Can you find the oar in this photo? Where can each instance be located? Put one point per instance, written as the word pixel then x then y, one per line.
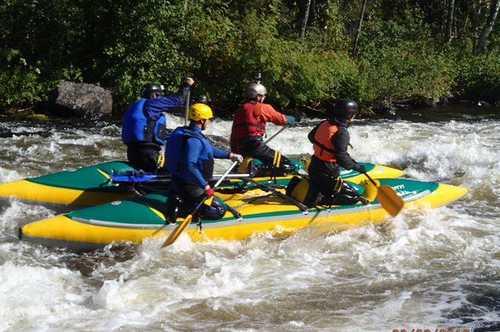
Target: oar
pixel 388 198
pixel 187 93
pixel 180 228
pixel 152 177
pixel 274 135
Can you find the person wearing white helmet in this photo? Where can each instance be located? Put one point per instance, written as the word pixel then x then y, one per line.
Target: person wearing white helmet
pixel 249 126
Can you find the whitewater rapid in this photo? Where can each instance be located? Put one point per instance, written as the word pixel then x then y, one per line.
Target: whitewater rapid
pixel 423 269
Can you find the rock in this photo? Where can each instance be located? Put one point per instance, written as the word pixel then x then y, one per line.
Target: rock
pixel 482 103
pixel 83 100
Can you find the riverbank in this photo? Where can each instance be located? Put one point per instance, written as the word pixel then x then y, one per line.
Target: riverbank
pixel 448 111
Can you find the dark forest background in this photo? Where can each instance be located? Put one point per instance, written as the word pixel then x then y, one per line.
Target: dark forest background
pixel 378 52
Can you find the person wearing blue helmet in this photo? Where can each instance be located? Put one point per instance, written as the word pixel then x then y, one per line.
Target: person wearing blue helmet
pixel 144 126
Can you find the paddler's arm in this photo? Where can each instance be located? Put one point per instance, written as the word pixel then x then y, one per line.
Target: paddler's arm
pixel 269 114
pixel 340 142
pixel 163 104
pixel 168 103
pixel 222 154
pixel 193 150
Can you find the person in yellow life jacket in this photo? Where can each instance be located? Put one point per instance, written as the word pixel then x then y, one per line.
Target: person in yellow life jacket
pixel 249 126
pixel 330 142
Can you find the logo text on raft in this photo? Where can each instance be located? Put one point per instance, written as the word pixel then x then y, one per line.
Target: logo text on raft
pixel 400 189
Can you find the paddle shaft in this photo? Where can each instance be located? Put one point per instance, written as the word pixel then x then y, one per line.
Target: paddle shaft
pixel 371 180
pixel 183 225
pixel 166 178
pixel 274 135
pixel 188 101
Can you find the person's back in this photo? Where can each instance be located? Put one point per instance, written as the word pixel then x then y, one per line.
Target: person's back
pixel 144 126
pixel 249 126
pixel 190 161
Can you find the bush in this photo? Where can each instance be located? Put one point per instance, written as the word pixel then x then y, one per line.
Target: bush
pixel 406 71
pixel 20 83
pixel 479 77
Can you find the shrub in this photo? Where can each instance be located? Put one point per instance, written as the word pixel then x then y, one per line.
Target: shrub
pixel 20 83
pixel 479 77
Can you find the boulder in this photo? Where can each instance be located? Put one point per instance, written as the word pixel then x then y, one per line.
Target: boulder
pixel 82 100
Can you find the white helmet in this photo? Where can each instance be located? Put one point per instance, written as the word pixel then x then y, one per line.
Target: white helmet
pixel 256 89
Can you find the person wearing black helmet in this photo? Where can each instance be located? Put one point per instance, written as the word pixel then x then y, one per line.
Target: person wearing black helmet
pixel 330 141
pixel 144 126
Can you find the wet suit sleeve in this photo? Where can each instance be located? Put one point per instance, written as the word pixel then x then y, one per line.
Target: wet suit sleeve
pixel 163 104
pixel 340 142
pixel 269 114
pixel 193 150
pixel 220 154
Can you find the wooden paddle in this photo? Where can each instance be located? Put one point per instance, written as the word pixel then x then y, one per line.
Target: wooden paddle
pixel 388 198
pixel 182 226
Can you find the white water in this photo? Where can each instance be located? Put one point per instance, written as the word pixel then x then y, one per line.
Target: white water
pixel 424 269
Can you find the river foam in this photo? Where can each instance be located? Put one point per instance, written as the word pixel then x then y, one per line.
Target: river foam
pixel 424 269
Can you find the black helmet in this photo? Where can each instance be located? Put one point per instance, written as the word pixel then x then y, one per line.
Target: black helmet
pixel 201 99
pixel 342 110
pixel 150 88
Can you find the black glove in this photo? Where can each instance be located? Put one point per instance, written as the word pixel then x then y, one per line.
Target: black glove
pixel 359 168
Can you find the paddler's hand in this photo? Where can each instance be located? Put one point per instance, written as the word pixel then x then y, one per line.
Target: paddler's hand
pixel 359 168
pixel 291 120
pixel 189 81
pixel 209 191
pixel 236 157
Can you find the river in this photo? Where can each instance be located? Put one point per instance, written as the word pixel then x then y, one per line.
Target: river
pixel 423 269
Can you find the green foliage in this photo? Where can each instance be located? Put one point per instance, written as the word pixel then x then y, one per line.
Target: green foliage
pixel 479 77
pixel 405 49
pixel 406 71
pixel 20 83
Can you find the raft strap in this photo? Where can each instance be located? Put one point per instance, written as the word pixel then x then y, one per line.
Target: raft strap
pixel 292 200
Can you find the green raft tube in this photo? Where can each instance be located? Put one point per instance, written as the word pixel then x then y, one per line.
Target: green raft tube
pixel 92 185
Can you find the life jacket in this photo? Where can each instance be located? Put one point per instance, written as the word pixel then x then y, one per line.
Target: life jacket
pixel 176 152
pixel 302 190
pixel 247 123
pixel 322 143
pixel 139 128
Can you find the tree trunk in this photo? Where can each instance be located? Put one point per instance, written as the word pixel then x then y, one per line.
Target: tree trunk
pixel 488 26
pixel 476 10
pixel 358 31
pixel 306 18
pixel 451 15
